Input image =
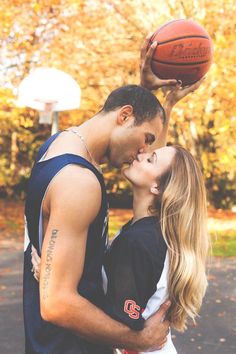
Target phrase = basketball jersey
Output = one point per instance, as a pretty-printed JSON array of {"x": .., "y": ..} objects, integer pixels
[
  {"x": 136, "y": 282},
  {"x": 42, "y": 336}
]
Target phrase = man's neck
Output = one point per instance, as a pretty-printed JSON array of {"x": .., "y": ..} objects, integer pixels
[{"x": 96, "y": 133}]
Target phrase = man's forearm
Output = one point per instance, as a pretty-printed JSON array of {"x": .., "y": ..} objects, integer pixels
[{"x": 83, "y": 318}]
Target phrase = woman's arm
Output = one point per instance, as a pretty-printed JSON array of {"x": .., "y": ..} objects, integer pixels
[
  {"x": 134, "y": 265},
  {"x": 175, "y": 95}
]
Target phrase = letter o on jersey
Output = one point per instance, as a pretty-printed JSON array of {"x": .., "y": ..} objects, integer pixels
[{"x": 132, "y": 309}]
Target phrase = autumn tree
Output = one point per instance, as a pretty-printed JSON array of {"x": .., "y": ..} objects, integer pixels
[{"x": 98, "y": 43}]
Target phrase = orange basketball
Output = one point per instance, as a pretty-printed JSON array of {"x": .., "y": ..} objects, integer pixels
[{"x": 184, "y": 51}]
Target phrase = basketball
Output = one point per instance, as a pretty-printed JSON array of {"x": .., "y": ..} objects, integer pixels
[{"x": 184, "y": 51}]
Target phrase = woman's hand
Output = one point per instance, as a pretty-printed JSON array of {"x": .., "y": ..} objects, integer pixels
[
  {"x": 173, "y": 95},
  {"x": 178, "y": 92},
  {"x": 147, "y": 78},
  {"x": 36, "y": 262}
]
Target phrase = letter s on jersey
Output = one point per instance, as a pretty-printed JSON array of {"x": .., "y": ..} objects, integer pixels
[{"x": 132, "y": 309}]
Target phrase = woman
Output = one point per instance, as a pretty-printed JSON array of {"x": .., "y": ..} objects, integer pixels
[{"x": 161, "y": 252}]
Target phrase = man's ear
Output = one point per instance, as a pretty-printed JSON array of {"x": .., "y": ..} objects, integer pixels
[
  {"x": 155, "y": 189},
  {"x": 124, "y": 114}
]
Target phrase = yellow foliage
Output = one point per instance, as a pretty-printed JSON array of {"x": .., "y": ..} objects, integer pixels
[{"x": 98, "y": 43}]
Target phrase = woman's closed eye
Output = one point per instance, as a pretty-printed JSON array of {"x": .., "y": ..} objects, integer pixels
[{"x": 152, "y": 158}]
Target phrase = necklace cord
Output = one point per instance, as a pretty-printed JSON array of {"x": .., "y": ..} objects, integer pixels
[{"x": 86, "y": 147}]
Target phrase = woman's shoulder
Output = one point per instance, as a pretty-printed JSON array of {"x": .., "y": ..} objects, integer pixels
[
  {"x": 148, "y": 225},
  {"x": 146, "y": 234}
]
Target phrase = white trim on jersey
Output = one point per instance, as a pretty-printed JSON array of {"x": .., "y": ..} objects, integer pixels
[
  {"x": 26, "y": 234},
  {"x": 154, "y": 303},
  {"x": 104, "y": 276},
  {"x": 161, "y": 293}
]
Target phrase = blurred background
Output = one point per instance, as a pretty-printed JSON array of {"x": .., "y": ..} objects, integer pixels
[{"x": 98, "y": 43}]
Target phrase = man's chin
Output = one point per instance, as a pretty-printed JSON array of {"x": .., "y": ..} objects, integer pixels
[
  {"x": 125, "y": 169},
  {"x": 119, "y": 164},
  {"x": 116, "y": 165}
]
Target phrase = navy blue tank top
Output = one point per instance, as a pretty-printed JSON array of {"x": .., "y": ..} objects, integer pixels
[{"x": 42, "y": 336}]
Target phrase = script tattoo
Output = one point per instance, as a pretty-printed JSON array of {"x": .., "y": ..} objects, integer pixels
[{"x": 48, "y": 265}]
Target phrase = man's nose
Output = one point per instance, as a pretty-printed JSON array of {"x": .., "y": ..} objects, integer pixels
[{"x": 142, "y": 150}]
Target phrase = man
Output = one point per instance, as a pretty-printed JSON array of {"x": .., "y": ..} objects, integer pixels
[{"x": 66, "y": 221}]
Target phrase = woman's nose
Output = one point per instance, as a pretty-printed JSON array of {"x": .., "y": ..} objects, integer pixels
[{"x": 141, "y": 156}]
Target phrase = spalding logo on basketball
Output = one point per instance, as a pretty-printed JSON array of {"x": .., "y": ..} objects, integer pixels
[{"x": 184, "y": 51}]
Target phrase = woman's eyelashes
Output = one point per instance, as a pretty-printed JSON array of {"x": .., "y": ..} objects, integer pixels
[{"x": 152, "y": 158}]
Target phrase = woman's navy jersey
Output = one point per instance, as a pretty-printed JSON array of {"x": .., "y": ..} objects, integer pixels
[
  {"x": 137, "y": 267},
  {"x": 41, "y": 336}
]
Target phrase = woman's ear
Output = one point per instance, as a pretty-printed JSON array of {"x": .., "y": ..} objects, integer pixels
[{"x": 155, "y": 189}]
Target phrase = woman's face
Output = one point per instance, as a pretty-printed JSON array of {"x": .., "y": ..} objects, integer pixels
[{"x": 148, "y": 168}]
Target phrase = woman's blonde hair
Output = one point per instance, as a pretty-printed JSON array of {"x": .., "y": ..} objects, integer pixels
[{"x": 183, "y": 213}]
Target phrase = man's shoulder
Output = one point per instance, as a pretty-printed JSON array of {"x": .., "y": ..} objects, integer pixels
[
  {"x": 77, "y": 189},
  {"x": 78, "y": 177}
]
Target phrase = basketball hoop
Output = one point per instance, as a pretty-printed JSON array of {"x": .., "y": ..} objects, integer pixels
[
  {"x": 49, "y": 91},
  {"x": 46, "y": 116}
]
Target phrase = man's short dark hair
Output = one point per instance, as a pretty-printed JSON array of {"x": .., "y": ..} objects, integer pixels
[{"x": 145, "y": 105}]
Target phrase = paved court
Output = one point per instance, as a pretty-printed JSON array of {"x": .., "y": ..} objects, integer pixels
[{"x": 214, "y": 334}]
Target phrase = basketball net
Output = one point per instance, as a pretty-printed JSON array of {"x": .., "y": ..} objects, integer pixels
[{"x": 45, "y": 116}]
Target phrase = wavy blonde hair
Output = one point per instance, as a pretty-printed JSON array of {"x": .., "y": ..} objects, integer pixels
[{"x": 183, "y": 213}]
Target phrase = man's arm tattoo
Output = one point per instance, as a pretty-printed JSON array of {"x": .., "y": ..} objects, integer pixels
[{"x": 48, "y": 265}]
